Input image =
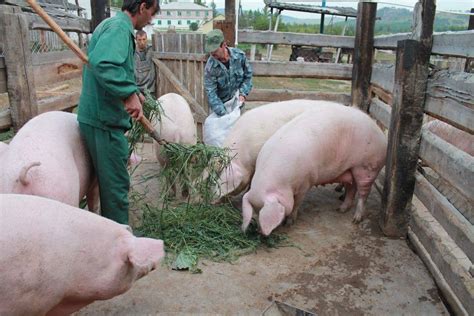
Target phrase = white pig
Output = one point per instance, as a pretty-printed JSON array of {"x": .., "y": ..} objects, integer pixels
[
  {"x": 177, "y": 123},
  {"x": 47, "y": 157},
  {"x": 328, "y": 144},
  {"x": 3, "y": 147},
  {"x": 56, "y": 259},
  {"x": 249, "y": 134}
]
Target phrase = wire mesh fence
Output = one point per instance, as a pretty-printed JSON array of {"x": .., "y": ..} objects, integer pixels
[{"x": 42, "y": 41}]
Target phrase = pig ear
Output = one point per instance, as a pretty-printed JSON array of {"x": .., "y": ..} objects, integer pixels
[
  {"x": 247, "y": 212},
  {"x": 230, "y": 179},
  {"x": 271, "y": 215}
]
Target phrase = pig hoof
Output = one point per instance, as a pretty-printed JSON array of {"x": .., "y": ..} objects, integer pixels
[
  {"x": 342, "y": 209},
  {"x": 357, "y": 218}
]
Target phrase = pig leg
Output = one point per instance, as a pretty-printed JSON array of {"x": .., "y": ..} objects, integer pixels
[
  {"x": 93, "y": 197},
  {"x": 364, "y": 178},
  {"x": 291, "y": 219},
  {"x": 350, "y": 191},
  {"x": 247, "y": 211}
]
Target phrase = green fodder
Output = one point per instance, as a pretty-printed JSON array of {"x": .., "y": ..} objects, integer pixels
[
  {"x": 195, "y": 168},
  {"x": 213, "y": 232},
  {"x": 152, "y": 110}
]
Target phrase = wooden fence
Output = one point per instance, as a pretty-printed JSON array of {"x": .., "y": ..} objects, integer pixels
[{"x": 22, "y": 73}]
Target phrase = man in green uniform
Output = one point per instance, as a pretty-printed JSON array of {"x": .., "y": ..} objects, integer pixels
[{"x": 109, "y": 98}]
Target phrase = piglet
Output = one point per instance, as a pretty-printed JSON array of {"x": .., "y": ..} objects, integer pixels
[
  {"x": 56, "y": 259},
  {"x": 328, "y": 144}
]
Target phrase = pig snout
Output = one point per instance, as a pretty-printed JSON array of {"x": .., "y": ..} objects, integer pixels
[{"x": 145, "y": 255}]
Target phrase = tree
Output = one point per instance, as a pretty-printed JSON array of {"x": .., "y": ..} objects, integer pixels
[
  {"x": 193, "y": 26},
  {"x": 214, "y": 10}
]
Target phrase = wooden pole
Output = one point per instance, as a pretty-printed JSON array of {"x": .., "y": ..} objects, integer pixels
[
  {"x": 363, "y": 55},
  {"x": 469, "y": 67},
  {"x": 18, "y": 61},
  {"x": 411, "y": 75},
  {"x": 99, "y": 12},
  {"x": 230, "y": 21}
]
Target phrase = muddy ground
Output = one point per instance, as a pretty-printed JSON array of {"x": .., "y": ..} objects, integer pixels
[{"x": 337, "y": 268}]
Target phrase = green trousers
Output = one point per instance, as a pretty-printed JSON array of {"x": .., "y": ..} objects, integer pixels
[{"x": 109, "y": 152}]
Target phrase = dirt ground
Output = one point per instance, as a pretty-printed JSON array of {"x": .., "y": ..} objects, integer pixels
[{"x": 336, "y": 268}]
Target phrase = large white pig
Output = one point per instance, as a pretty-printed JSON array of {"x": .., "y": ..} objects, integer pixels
[
  {"x": 249, "y": 134},
  {"x": 47, "y": 157},
  {"x": 56, "y": 258},
  {"x": 3, "y": 147},
  {"x": 328, "y": 144},
  {"x": 452, "y": 135},
  {"x": 177, "y": 123}
]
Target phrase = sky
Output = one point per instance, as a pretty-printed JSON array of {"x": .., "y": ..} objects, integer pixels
[{"x": 444, "y": 5}]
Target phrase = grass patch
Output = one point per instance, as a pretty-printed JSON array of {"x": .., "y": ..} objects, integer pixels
[
  {"x": 8, "y": 135},
  {"x": 213, "y": 232}
]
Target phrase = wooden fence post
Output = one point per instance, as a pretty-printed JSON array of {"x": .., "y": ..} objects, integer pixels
[
  {"x": 19, "y": 66},
  {"x": 411, "y": 75},
  {"x": 469, "y": 67},
  {"x": 363, "y": 55}
]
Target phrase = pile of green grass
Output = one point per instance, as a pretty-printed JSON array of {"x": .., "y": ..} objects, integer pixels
[{"x": 213, "y": 232}]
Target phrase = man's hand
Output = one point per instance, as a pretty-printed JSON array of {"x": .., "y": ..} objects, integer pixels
[
  {"x": 242, "y": 98},
  {"x": 133, "y": 106}
]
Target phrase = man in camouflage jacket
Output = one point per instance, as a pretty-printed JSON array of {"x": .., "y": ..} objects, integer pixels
[{"x": 227, "y": 71}]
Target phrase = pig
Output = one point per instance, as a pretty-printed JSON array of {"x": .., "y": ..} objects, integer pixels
[
  {"x": 3, "y": 147},
  {"x": 452, "y": 135},
  {"x": 327, "y": 144},
  {"x": 47, "y": 157},
  {"x": 249, "y": 134},
  {"x": 57, "y": 258},
  {"x": 177, "y": 123}
]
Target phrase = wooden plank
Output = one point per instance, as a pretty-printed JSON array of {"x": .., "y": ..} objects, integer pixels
[
  {"x": 20, "y": 78},
  {"x": 383, "y": 76},
  {"x": 454, "y": 165},
  {"x": 59, "y": 103},
  {"x": 457, "y": 44},
  {"x": 3, "y": 76},
  {"x": 274, "y": 95},
  {"x": 68, "y": 25},
  {"x": 403, "y": 138},
  {"x": 458, "y": 227},
  {"x": 301, "y": 70},
  {"x": 380, "y": 111},
  {"x": 180, "y": 56},
  {"x": 199, "y": 114},
  {"x": 363, "y": 53},
  {"x": 49, "y": 71},
  {"x": 52, "y": 57},
  {"x": 448, "y": 257},
  {"x": 381, "y": 94},
  {"x": 287, "y": 38},
  {"x": 5, "y": 120},
  {"x": 441, "y": 282},
  {"x": 450, "y": 97},
  {"x": 390, "y": 41}
]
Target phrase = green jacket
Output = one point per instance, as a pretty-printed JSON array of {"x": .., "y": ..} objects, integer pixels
[
  {"x": 109, "y": 77},
  {"x": 221, "y": 83}
]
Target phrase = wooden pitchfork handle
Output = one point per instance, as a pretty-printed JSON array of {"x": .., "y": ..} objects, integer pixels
[{"x": 57, "y": 29}]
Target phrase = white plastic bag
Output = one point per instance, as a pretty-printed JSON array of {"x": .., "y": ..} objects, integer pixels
[{"x": 217, "y": 127}]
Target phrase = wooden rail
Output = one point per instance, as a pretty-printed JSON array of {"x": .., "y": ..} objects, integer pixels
[
  {"x": 287, "y": 38},
  {"x": 455, "y": 44},
  {"x": 302, "y": 70}
]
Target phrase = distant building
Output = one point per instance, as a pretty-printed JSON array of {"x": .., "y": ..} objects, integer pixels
[
  {"x": 180, "y": 15},
  {"x": 208, "y": 26}
]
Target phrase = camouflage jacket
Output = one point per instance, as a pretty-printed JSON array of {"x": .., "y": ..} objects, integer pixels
[
  {"x": 221, "y": 83},
  {"x": 145, "y": 70}
]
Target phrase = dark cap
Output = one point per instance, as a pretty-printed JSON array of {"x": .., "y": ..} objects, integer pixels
[{"x": 214, "y": 40}]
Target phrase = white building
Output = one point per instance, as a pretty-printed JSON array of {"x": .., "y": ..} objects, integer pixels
[{"x": 181, "y": 14}]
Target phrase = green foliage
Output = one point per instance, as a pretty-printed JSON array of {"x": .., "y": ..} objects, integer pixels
[
  {"x": 193, "y": 26},
  {"x": 191, "y": 232},
  {"x": 7, "y": 135}
]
